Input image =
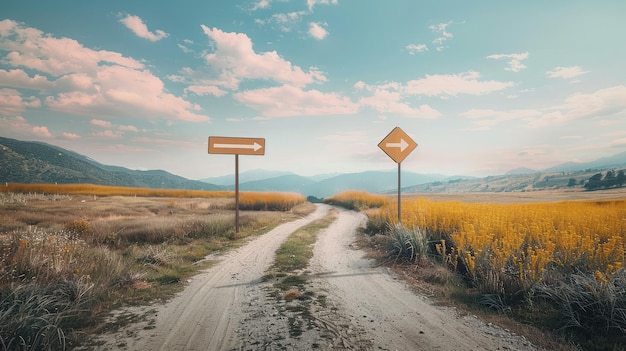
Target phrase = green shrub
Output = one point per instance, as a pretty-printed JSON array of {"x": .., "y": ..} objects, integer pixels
[
  {"x": 406, "y": 244},
  {"x": 376, "y": 224}
]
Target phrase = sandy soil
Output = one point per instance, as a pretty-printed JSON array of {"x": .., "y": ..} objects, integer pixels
[{"x": 354, "y": 306}]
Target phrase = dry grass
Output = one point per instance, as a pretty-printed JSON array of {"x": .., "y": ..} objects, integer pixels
[
  {"x": 357, "y": 200},
  {"x": 125, "y": 249}
]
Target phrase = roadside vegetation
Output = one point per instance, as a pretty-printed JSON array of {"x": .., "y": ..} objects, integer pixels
[
  {"x": 556, "y": 268},
  {"x": 68, "y": 259},
  {"x": 357, "y": 200}
]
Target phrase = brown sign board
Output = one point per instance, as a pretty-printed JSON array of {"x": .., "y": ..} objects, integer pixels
[
  {"x": 397, "y": 145},
  {"x": 236, "y": 146}
]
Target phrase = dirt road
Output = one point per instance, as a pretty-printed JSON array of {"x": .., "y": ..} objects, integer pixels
[{"x": 357, "y": 306}]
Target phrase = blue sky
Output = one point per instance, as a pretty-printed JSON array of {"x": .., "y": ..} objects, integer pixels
[{"x": 482, "y": 86}]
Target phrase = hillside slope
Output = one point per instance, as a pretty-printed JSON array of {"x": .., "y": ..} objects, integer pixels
[{"x": 33, "y": 162}]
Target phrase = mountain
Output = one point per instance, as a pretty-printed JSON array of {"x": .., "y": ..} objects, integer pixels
[
  {"x": 615, "y": 161},
  {"x": 370, "y": 181},
  {"x": 288, "y": 183},
  {"x": 247, "y": 176},
  {"x": 35, "y": 162},
  {"x": 522, "y": 170}
]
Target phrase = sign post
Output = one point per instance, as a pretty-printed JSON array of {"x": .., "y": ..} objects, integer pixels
[
  {"x": 236, "y": 146},
  {"x": 398, "y": 145}
]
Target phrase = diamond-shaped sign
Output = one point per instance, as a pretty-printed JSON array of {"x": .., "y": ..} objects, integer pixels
[{"x": 397, "y": 145}]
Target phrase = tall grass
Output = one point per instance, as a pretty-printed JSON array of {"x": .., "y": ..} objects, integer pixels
[
  {"x": 36, "y": 316},
  {"x": 568, "y": 254},
  {"x": 269, "y": 201},
  {"x": 356, "y": 200}
]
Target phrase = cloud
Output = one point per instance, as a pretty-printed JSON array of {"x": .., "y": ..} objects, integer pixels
[
  {"x": 101, "y": 123},
  {"x": 17, "y": 78},
  {"x": 454, "y": 84},
  {"x": 484, "y": 119},
  {"x": 566, "y": 72},
  {"x": 107, "y": 134},
  {"x": 31, "y": 49},
  {"x": 441, "y": 29},
  {"x": 317, "y": 31},
  {"x": 386, "y": 101},
  {"x": 619, "y": 142},
  {"x": 70, "y": 136},
  {"x": 602, "y": 103},
  {"x": 14, "y": 125},
  {"x": 312, "y": 3},
  {"x": 515, "y": 60},
  {"x": 124, "y": 128},
  {"x": 285, "y": 22},
  {"x": 87, "y": 82},
  {"x": 261, "y": 4},
  {"x": 416, "y": 48},
  {"x": 42, "y": 132},
  {"x": 136, "y": 25},
  {"x": 205, "y": 90},
  {"x": 12, "y": 103},
  {"x": 292, "y": 101},
  {"x": 126, "y": 92},
  {"x": 234, "y": 59}
]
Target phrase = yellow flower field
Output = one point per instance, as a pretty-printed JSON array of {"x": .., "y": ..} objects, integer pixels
[{"x": 522, "y": 240}]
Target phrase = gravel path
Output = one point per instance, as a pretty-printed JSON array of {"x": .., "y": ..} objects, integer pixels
[{"x": 353, "y": 305}]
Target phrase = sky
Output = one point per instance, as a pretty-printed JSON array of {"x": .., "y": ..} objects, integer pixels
[{"x": 483, "y": 87}]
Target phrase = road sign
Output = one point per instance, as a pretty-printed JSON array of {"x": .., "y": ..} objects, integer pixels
[
  {"x": 236, "y": 146},
  {"x": 397, "y": 145}
]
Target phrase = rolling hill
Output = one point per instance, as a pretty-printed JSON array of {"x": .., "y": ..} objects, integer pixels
[{"x": 35, "y": 162}]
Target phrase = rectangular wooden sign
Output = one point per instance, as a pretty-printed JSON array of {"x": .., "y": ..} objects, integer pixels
[{"x": 236, "y": 146}]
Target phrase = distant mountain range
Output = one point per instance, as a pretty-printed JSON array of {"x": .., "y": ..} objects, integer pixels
[
  {"x": 35, "y": 162},
  {"x": 327, "y": 185}
]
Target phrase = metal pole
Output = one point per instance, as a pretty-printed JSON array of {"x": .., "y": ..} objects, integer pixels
[
  {"x": 399, "y": 196},
  {"x": 236, "y": 193}
]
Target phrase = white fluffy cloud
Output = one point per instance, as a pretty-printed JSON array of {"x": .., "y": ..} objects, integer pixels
[
  {"x": 416, "y": 48},
  {"x": 312, "y": 3},
  {"x": 42, "y": 131},
  {"x": 136, "y": 25},
  {"x": 235, "y": 60},
  {"x": 602, "y": 103},
  {"x": 289, "y": 101},
  {"x": 317, "y": 31},
  {"x": 84, "y": 81},
  {"x": 566, "y": 72},
  {"x": 387, "y": 101},
  {"x": 454, "y": 84},
  {"x": 12, "y": 103},
  {"x": 514, "y": 60}
]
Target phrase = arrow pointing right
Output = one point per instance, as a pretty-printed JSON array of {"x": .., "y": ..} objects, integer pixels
[
  {"x": 253, "y": 146},
  {"x": 402, "y": 145}
]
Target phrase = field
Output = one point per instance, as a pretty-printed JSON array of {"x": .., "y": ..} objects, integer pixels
[
  {"x": 69, "y": 254},
  {"x": 553, "y": 259}
]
